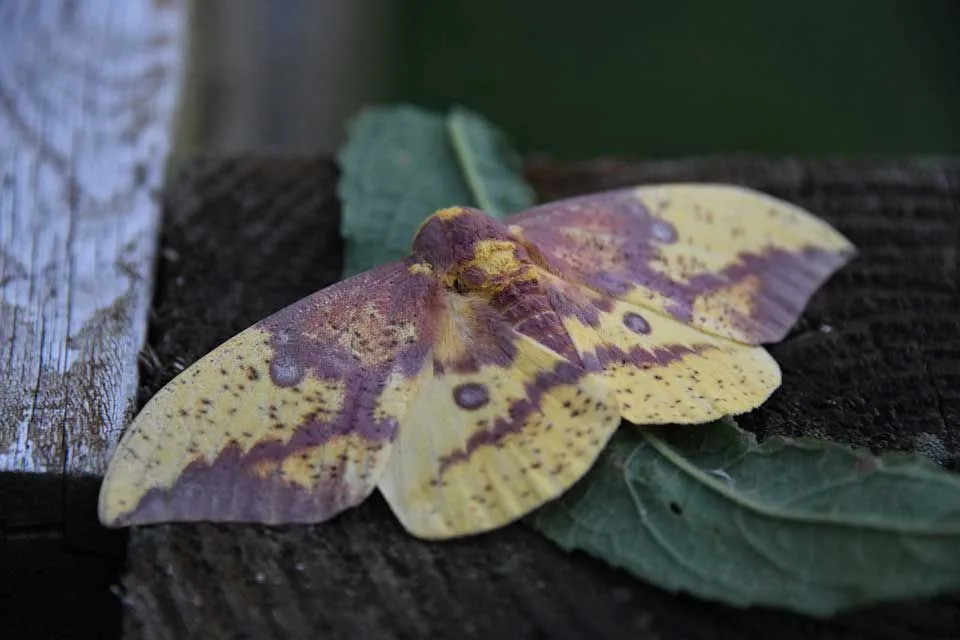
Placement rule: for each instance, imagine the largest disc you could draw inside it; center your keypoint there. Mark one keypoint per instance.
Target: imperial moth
(480, 376)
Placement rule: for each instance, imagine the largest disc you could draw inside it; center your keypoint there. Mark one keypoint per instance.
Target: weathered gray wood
(875, 361)
(87, 95)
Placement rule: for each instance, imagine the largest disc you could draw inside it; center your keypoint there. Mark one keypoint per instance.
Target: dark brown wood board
(874, 361)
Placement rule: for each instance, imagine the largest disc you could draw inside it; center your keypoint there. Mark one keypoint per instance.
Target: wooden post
(87, 95)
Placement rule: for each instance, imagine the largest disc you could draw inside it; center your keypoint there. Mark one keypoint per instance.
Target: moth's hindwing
(662, 370)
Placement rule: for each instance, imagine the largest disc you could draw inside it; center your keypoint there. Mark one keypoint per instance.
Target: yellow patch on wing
(664, 371)
(480, 449)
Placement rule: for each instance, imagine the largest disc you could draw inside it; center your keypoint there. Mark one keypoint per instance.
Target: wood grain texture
(873, 361)
(87, 93)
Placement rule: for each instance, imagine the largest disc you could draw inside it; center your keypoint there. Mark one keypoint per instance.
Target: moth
(481, 376)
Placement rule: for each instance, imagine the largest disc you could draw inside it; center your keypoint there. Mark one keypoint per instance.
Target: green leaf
(400, 164)
(806, 525)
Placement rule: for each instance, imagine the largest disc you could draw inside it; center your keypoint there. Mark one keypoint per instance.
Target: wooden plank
(87, 95)
(874, 361)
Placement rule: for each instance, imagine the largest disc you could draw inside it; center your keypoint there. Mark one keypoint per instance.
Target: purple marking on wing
(786, 280)
(636, 323)
(234, 490)
(286, 372)
(305, 339)
(518, 412)
(569, 238)
(644, 358)
(574, 306)
(228, 489)
(607, 353)
(304, 336)
(233, 475)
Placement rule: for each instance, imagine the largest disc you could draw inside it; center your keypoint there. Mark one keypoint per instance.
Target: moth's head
(470, 251)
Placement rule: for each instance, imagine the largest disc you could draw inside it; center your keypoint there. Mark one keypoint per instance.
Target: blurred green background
(577, 80)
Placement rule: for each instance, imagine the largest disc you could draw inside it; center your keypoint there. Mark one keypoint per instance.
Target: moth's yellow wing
(663, 371)
(731, 261)
(290, 421)
(500, 425)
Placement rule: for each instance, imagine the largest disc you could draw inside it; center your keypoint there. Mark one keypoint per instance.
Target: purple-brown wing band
(723, 259)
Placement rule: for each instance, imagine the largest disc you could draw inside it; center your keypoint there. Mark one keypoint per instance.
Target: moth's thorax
(468, 250)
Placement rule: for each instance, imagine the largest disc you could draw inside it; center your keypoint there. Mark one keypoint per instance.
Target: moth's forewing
(290, 421)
